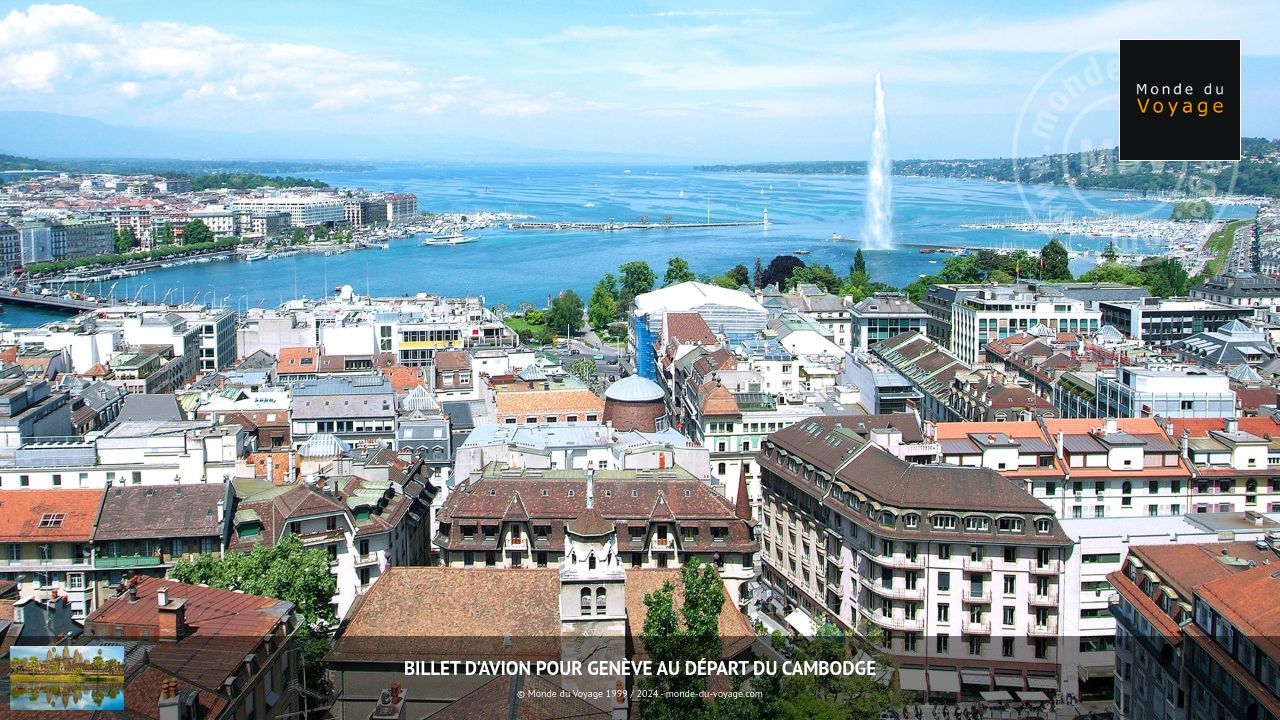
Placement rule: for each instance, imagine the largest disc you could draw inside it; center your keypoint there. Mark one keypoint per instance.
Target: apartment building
(996, 312)
(1255, 291)
(10, 248)
(401, 207)
(882, 316)
(517, 517)
(352, 408)
(1195, 629)
(304, 210)
(930, 368)
(30, 410)
(815, 304)
(1235, 463)
(958, 568)
(47, 537)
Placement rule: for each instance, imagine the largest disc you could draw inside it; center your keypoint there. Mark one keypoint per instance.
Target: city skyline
(711, 82)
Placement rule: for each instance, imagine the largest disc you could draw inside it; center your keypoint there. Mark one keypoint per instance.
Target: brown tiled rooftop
(58, 515)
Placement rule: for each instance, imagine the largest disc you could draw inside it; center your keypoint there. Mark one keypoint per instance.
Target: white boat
(836, 237)
(802, 252)
(452, 238)
(255, 255)
(589, 205)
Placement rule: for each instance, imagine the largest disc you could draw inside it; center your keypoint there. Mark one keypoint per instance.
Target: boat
(802, 252)
(589, 205)
(836, 237)
(451, 238)
(928, 250)
(255, 255)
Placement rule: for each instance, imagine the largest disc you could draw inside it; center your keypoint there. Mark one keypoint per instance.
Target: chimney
(173, 620)
(162, 595)
(133, 595)
(222, 510)
(1185, 443)
(1059, 445)
(170, 706)
(390, 705)
(591, 487)
(1110, 426)
(1232, 424)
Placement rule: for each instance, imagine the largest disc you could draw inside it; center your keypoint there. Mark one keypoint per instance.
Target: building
(264, 223)
(724, 311)
(929, 367)
(1260, 293)
(401, 207)
(997, 312)
(366, 523)
(304, 210)
(65, 239)
(828, 310)
(30, 410)
(47, 537)
(352, 408)
(517, 517)
(1164, 321)
(485, 614)
(880, 388)
(451, 374)
(635, 403)
(205, 653)
(133, 216)
(531, 397)
(1235, 463)
(882, 316)
(10, 248)
(1164, 390)
(958, 568)
(143, 530)
(1229, 346)
(222, 222)
(1195, 629)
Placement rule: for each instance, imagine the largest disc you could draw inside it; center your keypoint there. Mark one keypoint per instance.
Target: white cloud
(29, 71)
(129, 89)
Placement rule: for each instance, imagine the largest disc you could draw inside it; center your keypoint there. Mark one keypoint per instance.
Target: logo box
(1180, 100)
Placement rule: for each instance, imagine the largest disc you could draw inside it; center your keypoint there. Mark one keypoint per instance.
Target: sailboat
(681, 192)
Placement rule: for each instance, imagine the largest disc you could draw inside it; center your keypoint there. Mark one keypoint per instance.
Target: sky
(701, 81)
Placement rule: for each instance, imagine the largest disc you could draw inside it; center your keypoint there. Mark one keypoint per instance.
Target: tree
(565, 313)
(1165, 277)
(757, 274)
(666, 639)
(1110, 254)
(196, 232)
(286, 571)
(602, 308)
(584, 368)
(809, 695)
(523, 308)
(501, 310)
(779, 271)
(166, 235)
(859, 262)
(739, 275)
(1113, 272)
(677, 272)
(125, 241)
(821, 275)
(1054, 261)
(637, 278)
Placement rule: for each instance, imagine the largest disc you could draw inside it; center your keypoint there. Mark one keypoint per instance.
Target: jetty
(614, 226)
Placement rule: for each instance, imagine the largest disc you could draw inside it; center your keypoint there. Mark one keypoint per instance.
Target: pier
(612, 226)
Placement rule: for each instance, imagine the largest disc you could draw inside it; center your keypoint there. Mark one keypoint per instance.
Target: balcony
(976, 628)
(1052, 567)
(972, 565)
(893, 561)
(896, 593)
(50, 564)
(663, 544)
(368, 559)
(1043, 600)
(1048, 628)
(976, 596)
(128, 561)
(324, 537)
(897, 623)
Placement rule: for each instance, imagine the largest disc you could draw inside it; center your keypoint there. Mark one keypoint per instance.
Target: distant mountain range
(52, 136)
(1258, 170)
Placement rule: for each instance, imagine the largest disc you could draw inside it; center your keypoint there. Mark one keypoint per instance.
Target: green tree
(1054, 261)
(1111, 254)
(677, 272)
(1165, 277)
(565, 313)
(125, 240)
(286, 571)
(602, 308)
(166, 235)
(757, 274)
(667, 639)
(859, 262)
(196, 232)
(584, 368)
(821, 275)
(297, 236)
(637, 278)
(321, 233)
(779, 271)
(832, 695)
(739, 275)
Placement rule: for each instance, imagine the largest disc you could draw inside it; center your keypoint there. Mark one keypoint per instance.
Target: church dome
(634, 389)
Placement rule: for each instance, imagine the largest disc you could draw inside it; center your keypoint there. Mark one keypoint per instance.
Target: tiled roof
(59, 514)
(160, 512)
(1248, 601)
(550, 402)
(452, 360)
(402, 378)
(717, 400)
(297, 360)
(688, 328)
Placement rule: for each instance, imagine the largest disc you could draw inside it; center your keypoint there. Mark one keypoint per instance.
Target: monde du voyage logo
(1180, 100)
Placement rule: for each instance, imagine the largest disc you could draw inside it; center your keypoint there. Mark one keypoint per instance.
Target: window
(1010, 554)
(944, 581)
(57, 480)
(24, 481)
(1008, 617)
(51, 520)
(1010, 584)
(1006, 647)
(942, 644)
(490, 558)
(944, 551)
(585, 602)
(1011, 525)
(944, 613)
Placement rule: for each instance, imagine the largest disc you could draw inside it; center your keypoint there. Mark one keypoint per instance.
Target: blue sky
(688, 80)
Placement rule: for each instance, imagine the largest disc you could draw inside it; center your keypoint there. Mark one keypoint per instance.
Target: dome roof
(323, 445)
(634, 388)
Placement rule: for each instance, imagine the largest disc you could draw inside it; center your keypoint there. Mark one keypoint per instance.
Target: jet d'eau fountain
(877, 232)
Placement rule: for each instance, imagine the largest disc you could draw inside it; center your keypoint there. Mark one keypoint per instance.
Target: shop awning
(996, 696)
(944, 681)
(1095, 671)
(975, 677)
(911, 679)
(1014, 681)
(1043, 683)
(801, 623)
(1033, 696)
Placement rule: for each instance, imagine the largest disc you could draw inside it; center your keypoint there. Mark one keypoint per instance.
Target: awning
(1009, 681)
(996, 696)
(944, 681)
(1044, 683)
(1033, 696)
(1095, 671)
(801, 623)
(975, 677)
(911, 679)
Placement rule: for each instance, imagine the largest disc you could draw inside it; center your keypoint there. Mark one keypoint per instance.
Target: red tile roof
(402, 378)
(684, 328)
(298, 360)
(452, 360)
(1200, 427)
(60, 515)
